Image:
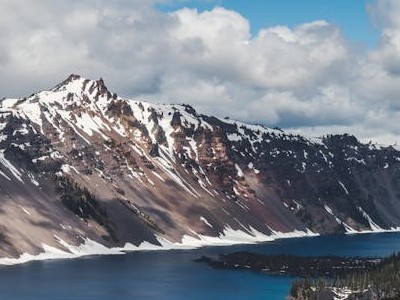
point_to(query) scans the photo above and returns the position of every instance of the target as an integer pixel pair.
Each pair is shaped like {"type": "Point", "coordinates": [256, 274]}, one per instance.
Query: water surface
{"type": "Point", "coordinates": [173, 274]}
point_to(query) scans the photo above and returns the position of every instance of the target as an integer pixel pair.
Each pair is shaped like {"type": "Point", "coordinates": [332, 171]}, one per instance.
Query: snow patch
{"type": "Point", "coordinates": [67, 168]}
{"type": "Point", "coordinates": [89, 248]}
{"type": "Point", "coordinates": [374, 227]}
{"type": "Point", "coordinates": [17, 174]}
{"type": "Point", "coordinates": [343, 293]}
{"type": "Point", "coordinates": [4, 175]}
{"type": "Point", "coordinates": [33, 180]}
{"type": "Point", "coordinates": [343, 187]}
{"type": "Point", "coordinates": [239, 171]}
{"type": "Point", "coordinates": [205, 221]}
{"type": "Point", "coordinates": [230, 236]}
{"type": "Point", "coordinates": [234, 137]}
{"type": "Point", "coordinates": [24, 210]}
{"type": "Point", "coordinates": [347, 228]}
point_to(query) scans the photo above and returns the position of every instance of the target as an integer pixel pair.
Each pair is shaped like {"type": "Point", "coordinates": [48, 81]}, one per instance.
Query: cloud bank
{"type": "Point", "coordinates": [309, 78]}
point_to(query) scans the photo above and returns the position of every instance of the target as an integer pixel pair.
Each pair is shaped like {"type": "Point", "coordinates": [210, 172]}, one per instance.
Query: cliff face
{"type": "Point", "coordinates": [78, 162]}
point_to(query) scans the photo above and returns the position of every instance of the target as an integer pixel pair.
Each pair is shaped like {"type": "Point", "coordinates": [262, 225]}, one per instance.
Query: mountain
{"type": "Point", "coordinates": [80, 166]}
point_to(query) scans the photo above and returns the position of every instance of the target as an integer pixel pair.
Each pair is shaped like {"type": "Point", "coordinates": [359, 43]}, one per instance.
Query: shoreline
{"type": "Point", "coordinates": [229, 237]}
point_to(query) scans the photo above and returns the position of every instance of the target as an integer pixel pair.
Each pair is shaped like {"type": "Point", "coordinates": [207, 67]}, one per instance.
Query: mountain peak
{"type": "Point", "coordinates": [71, 78]}
{"type": "Point", "coordinates": [132, 172]}
{"type": "Point", "coordinates": [77, 84]}
{"type": "Point", "coordinates": [102, 88]}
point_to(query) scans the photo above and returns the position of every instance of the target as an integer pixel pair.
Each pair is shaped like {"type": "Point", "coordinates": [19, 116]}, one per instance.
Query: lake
{"type": "Point", "coordinates": [173, 274]}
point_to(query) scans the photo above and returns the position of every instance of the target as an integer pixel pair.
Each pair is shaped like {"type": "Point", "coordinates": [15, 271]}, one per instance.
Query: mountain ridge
{"type": "Point", "coordinates": [78, 162]}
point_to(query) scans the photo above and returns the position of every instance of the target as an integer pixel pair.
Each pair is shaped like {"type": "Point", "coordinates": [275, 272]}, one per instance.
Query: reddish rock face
{"type": "Point", "coordinates": [79, 162]}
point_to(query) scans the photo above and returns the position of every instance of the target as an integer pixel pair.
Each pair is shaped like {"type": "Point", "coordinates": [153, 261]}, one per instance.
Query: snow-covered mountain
{"type": "Point", "coordinates": [80, 165]}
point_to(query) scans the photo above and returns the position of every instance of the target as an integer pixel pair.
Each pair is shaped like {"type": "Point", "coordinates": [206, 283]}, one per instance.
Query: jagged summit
{"type": "Point", "coordinates": [71, 78]}
{"type": "Point", "coordinates": [78, 162]}
{"type": "Point", "coordinates": [76, 83]}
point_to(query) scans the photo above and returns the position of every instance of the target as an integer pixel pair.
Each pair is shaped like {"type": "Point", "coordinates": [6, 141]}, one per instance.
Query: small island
{"type": "Point", "coordinates": [323, 277]}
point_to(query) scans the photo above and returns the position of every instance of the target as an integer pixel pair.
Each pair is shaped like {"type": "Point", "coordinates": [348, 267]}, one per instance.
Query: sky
{"type": "Point", "coordinates": [351, 16]}
{"type": "Point", "coordinates": [308, 66]}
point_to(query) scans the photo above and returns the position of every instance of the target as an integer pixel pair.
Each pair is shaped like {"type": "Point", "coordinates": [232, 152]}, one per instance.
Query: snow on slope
{"type": "Point", "coordinates": [372, 224]}
{"type": "Point", "coordinates": [90, 248]}
{"type": "Point", "coordinates": [83, 109]}
{"type": "Point", "coordinates": [348, 229]}
{"type": "Point", "coordinates": [9, 166]}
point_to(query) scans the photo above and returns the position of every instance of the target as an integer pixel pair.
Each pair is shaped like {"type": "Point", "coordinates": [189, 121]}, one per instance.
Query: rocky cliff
{"type": "Point", "coordinates": [78, 163]}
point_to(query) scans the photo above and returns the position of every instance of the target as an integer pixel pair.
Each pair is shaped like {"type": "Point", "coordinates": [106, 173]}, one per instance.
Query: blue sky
{"type": "Point", "coordinates": [350, 15]}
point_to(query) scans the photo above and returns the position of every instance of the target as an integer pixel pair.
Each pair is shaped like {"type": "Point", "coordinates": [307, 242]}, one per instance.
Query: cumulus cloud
{"type": "Point", "coordinates": [308, 78]}
{"type": "Point", "coordinates": [385, 15]}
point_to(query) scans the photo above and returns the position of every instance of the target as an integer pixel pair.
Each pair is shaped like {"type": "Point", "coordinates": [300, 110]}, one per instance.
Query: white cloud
{"type": "Point", "coordinates": [385, 14]}
{"type": "Point", "coordinates": [308, 77]}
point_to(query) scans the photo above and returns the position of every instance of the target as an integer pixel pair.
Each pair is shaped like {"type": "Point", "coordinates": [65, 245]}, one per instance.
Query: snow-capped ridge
{"type": "Point", "coordinates": [76, 82]}
{"type": "Point", "coordinates": [168, 170]}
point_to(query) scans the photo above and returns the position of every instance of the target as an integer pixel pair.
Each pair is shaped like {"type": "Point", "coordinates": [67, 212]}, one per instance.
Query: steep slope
{"type": "Point", "coordinates": [79, 164]}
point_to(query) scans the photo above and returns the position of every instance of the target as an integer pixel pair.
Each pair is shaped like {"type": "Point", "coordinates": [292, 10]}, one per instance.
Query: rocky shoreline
{"type": "Point", "coordinates": [296, 266]}
{"type": "Point", "coordinates": [322, 277]}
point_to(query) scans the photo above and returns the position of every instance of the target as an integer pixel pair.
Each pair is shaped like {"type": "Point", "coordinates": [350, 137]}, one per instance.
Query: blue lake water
{"type": "Point", "coordinates": [173, 274]}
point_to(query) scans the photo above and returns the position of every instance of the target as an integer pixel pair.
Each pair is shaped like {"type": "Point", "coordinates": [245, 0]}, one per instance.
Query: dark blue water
{"type": "Point", "coordinates": [173, 274]}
